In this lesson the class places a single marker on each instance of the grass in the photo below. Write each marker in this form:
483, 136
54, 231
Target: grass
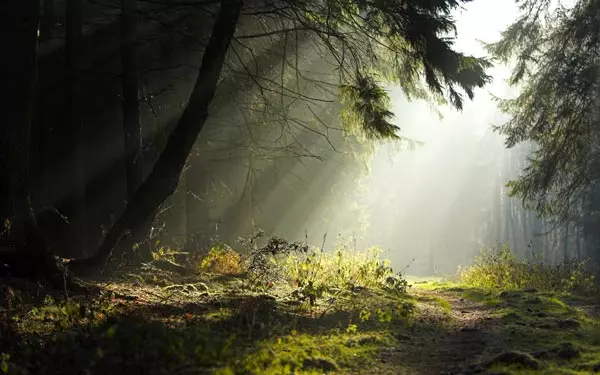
499, 268
550, 328
301, 312
537, 321
286, 308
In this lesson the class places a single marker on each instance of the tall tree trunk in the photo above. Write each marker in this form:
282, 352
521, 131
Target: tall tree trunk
19, 22
163, 180
131, 107
48, 20
74, 38
132, 128
566, 244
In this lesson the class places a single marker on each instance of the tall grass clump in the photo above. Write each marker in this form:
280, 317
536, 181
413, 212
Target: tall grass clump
498, 268
314, 272
343, 269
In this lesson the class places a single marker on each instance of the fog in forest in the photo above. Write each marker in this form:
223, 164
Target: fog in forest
439, 201
268, 160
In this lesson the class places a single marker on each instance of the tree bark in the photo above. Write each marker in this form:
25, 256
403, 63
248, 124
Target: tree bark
131, 107
566, 255
132, 127
48, 20
74, 39
163, 180
23, 245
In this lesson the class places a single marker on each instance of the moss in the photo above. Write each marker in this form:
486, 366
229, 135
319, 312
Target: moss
308, 354
514, 358
221, 314
489, 298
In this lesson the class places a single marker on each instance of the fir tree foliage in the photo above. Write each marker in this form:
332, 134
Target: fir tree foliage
555, 52
404, 42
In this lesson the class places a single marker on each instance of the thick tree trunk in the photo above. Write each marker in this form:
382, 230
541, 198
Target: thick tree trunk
163, 180
74, 38
23, 247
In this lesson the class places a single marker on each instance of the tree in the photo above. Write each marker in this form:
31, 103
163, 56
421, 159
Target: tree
163, 179
131, 107
555, 51
398, 41
23, 246
74, 39
132, 127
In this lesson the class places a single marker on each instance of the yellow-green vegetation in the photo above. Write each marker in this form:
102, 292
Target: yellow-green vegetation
531, 332
286, 308
499, 268
292, 310
223, 260
539, 318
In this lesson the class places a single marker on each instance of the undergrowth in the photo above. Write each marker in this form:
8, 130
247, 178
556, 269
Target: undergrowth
498, 268
310, 271
269, 306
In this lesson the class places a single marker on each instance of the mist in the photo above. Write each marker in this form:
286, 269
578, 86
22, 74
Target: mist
431, 206
282, 164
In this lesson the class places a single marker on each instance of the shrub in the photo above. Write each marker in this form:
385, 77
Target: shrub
312, 272
499, 268
343, 269
222, 259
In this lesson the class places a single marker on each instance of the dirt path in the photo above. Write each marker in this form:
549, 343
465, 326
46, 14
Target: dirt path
465, 340
472, 331
450, 334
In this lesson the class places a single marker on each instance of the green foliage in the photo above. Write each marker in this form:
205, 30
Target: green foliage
165, 253
408, 43
369, 109
316, 272
4, 363
554, 50
264, 262
305, 354
499, 268
405, 43
222, 259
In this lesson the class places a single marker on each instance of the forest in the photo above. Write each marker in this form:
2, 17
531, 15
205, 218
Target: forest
300, 187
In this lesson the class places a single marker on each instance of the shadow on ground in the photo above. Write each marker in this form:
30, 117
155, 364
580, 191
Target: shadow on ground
230, 330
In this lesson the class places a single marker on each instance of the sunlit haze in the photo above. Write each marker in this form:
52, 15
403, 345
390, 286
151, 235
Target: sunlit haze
434, 203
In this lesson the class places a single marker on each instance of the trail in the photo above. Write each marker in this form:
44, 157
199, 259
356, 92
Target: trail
465, 340
458, 335
445, 339
449, 329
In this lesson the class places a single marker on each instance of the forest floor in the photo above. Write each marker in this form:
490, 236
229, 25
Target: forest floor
156, 323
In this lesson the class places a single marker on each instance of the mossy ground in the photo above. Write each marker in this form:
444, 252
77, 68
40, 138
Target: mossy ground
159, 324
530, 332
210, 324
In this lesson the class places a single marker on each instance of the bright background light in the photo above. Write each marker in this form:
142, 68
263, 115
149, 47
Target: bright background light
437, 204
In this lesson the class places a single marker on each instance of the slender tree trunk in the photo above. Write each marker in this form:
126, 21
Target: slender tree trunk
74, 38
132, 127
163, 180
566, 244
48, 20
131, 106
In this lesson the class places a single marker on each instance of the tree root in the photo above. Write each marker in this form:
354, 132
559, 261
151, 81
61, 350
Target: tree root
186, 287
